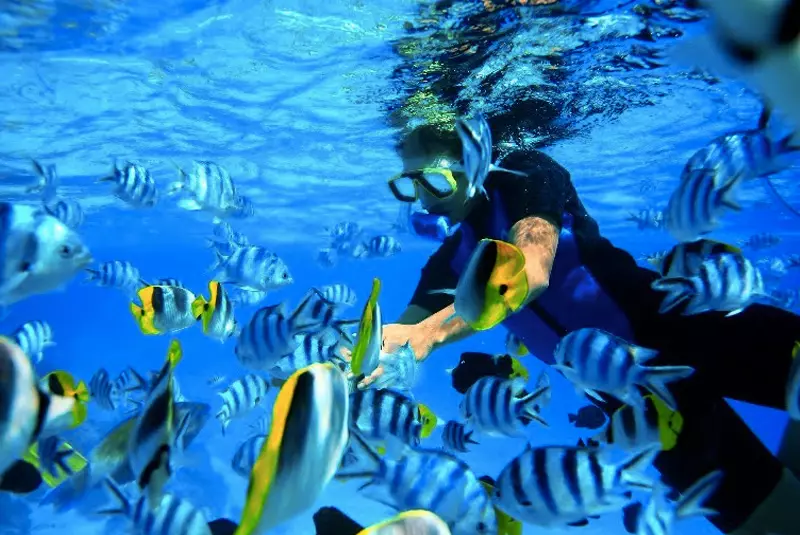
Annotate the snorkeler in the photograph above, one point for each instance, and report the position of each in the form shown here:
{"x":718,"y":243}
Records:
{"x":575,"y":279}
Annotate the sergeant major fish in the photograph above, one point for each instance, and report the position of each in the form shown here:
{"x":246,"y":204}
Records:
{"x":378,"y":247}
{"x":208,"y":187}
{"x":47,"y":181}
{"x":455,"y":436}
{"x":491,"y":406}
{"x":116,"y":274}
{"x":633,"y":428}
{"x":381,"y":414}
{"x":252,"y":268}
{"x":33,"y":338}
{"x":68,"y":211}
{"x":339,"y":294}
{"x":312,"y":348}
{"x":38,"y":253}
{"x":164,"y":309}
{"x":133,"y":185}
{"x":247,"y":454}
{"x":685,"y":259}
{"x":241,"y":396}
{"x":595,"y":360}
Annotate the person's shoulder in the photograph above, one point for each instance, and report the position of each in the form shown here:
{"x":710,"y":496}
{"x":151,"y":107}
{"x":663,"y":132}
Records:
{"x":534,"y":163}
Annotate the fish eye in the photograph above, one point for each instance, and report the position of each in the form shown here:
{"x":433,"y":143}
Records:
{"x":258,"y":399}
{"x":285,"y":275}
{"x":25,"y":266}
{"x":503,"y":289}
{"x":481,"y":527}
{"x":65,"y":251}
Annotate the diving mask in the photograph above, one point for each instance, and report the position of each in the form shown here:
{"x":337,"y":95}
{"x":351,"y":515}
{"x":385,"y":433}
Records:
{"x":431,"y":226}
{"x":437,"y":181}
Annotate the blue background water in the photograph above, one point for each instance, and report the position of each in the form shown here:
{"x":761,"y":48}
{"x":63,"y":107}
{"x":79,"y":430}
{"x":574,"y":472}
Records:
{"x":288,"y":96}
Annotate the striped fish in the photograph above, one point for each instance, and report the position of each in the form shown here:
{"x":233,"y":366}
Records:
{"x":116,"y":274}
{"x":241,"y":396}
{"x":431,"y":480}
{"x":597,"y":361}
{"x":323,"y":313}
{"x":47,"y":181}
{"x":455,"y":437}
{"x":685,"y":259}
{"x":133,"y":185}
{"x":247,"y":454}
{"x":661,"y":514}
{"x":697,"y":204}
{"x":633,"y":428}
{"x":208,"y":187}
{"x":103,"y":391}
{"x":339,"y":294}
{"x":381,"y":414}
{"x":726,"y":282}
{"x":327,"y":257}
{"x":175,"y":283}
{"x":491,"y":406}
{"x":270,"y":335}
{"x":378,"y":247}
{"x":170,"y":516}
{"x":241,"y":297}
{"x":312,"y":348}
{"x":252,"y":268}
{"x":216,"y":314}
{"x":68,"y":211}
{"x":557,"y":486}
{"x":33,"y":338}
{"x":163,"y":309}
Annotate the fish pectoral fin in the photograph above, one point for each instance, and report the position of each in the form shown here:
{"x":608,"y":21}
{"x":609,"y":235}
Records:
{"x":189,"y":204}
{"x":445,"y":291}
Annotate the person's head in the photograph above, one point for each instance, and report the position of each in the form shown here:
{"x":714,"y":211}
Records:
{"x":434,"y":156}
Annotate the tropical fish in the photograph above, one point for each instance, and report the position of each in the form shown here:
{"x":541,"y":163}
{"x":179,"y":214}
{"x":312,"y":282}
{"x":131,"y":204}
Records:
{"x":455,"y":437}
{"x":33,"y":338}
{"x":133,"y":185}
{"x":241,"y":396}
{"x":164,"y":309}
{"x":492,"y":407}
{"x":216,"y":313}
{"x":365,"y":357}
{"x":381,"y":414}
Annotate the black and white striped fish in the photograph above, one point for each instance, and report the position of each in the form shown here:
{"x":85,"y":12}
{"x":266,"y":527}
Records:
{"x":33,"y":338}
{"x":133,"y":185}
{"x":116,"y":274}
{"x":726,"y":282}
{"x":598,"y":361}
{"x":270,"y":335}
{"x":242,"y":297}
{"x":323,"y":313}
{"x":557,"y":486}
{"x":169,"y":516}
{"x":455,"y":436}
{"x":208,"y":187}
{"x":241,"y":396}
{"x":247,"y":454}
{"x":252,"y":268}
{"x":378,"y":247}
{"x":685,"y":259}
{"x":339,"y":294}
{"x":381,"y":414}
{"x":697,"y":204}
{"x":47,"y":181}
{"x":491,"y":406}
{"x":633,"y":428}
{"x":318,"y":347}
{"x":103,"y":391}
{"x":175,"y":283}
{"x":68,"y":211}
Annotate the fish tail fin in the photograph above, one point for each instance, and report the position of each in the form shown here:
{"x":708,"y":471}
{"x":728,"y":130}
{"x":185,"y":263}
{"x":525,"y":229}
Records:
{"x":92,"y":275}
{"x":726,"y":194}
{"x":529,"y":402}
{"x":219,"y":260}
{"x":631,"y":471}
{"x":691,"y":502}
{"x":657,"y":377}
{"x":468,"y":438}
{"x":572,"y":418}
{"x":364,"y":452}
{"x":199,"y":306}
{"x":82,"y":392}
{"x":678,"y":290}
{"x":70,"y":491}
{"x":224,"y":421}
{"x":124,"y":505}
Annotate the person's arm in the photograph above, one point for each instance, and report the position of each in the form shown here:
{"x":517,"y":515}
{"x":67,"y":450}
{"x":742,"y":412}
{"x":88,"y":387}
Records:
{"x":537,"y":238}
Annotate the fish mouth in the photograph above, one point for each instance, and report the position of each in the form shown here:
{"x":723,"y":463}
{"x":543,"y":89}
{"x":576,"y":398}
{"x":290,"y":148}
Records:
{"x":84,"y":260}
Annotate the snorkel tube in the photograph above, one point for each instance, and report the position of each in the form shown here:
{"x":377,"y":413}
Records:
{"x":431,"y":226}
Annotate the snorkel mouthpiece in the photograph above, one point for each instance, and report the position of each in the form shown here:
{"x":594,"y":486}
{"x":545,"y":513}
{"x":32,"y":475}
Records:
{"x":431,"y":226}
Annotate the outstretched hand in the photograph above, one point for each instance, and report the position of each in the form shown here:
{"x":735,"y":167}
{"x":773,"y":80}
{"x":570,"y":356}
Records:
{"x":395,"y":336}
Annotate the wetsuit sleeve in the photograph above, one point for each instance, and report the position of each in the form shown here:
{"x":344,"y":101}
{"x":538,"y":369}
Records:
{"x":542,"y":193}
{"x":437,"y":275}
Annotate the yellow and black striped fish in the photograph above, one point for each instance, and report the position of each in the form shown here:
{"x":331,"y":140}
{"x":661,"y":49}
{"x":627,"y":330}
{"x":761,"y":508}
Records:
{"x":164,"y":309}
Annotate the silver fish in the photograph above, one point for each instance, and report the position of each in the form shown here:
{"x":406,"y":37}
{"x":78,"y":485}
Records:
{"x":133,"y":185}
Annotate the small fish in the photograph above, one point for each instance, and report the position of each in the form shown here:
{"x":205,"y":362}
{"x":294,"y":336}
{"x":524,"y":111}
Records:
{"x":428,"y":479}
{"x":224,"y":234}
{"x":365,"y":356}
{"x":270,"y":335}
{"x":697,"y":204}
{"x":685,"y":259}
{"x":455,"y":437}
{"x":169,"y":516}
{"x":216,"y":313}
{"x":476,"y":141}
{"x":116,"y":274}
{"x":309,"y":436}
{"x":252,"y":268}
{"x":726,"y":282}
{"x":103,"y":391}
{"x":761,"y":241}
{"x":33,"y":338}
{"x":378,"y":247}
{"x":660,"y":514}
{"x":588,"y":417}
{"x":344,"y":231}
{"x":29,"y":413}
{"x":492,"y":286}
{"x":47,"y":181}
{"x":532,"y":487}
{"x":68,"y":211}
{"x":133,"y":185}
{"x":647,"y":219}
{"x":151,"y":440}
{"x":51,"y":458}
{"x":327,"y":258}
{"x":208,"y":187}
{"x":261,"y":425}
{"x":241,"y":396}
{"x":163,"y":309}
{"x":399,"y":369}
{"x":312,"y":348}
{"x":324,"y":313}
{"x":241,"y":297}
{"x":62,"y":383}
{"x":514,"y":346}
{"x":381,"y":414}
{"x":175,"y":283}
{"x":40,"y":253}
{"x":339,"y":294}
{"x":595,"y":360}
{"x":247,"y":454}
{"x":474,"y":365}
{"x":418,"y":521}
{"x":56,"y":460}
{"x":216,"y":380}
{"x":636,"y":427}
{"x":491,"y":406}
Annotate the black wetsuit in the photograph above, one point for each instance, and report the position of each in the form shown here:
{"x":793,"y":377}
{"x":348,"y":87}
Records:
{"x":744,"y":357}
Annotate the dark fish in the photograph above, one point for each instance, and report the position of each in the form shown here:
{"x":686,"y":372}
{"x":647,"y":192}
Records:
{"x":588,"y":417}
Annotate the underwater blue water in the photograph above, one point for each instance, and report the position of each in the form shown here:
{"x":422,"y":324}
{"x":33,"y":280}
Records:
{"x":287,"y":95}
